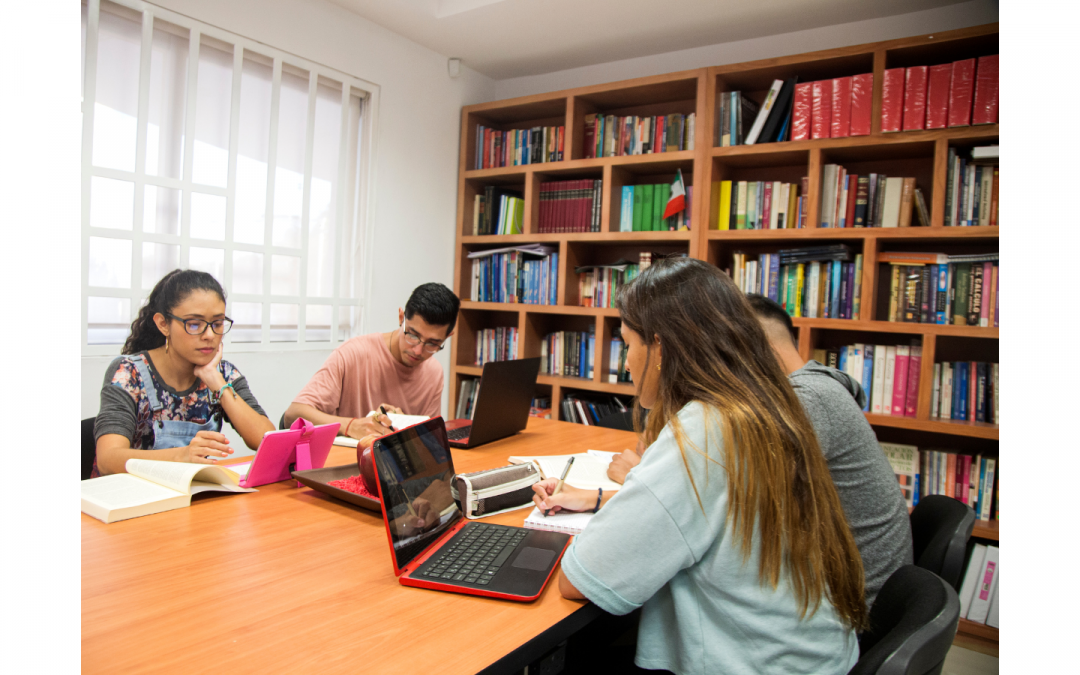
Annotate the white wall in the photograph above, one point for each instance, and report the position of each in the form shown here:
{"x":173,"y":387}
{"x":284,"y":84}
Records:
{"x":415,"y":174}
{"x":973,"y":13}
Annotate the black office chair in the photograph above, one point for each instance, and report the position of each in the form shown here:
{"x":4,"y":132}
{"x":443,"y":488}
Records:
{"x":623,"y":421}
{"x":940,"y":528}
{"x":89,"y":447}
{"x":912,"y":625}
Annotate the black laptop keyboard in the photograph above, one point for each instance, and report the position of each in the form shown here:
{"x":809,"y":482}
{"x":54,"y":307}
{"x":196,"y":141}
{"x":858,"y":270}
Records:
{"x":461,"y":433}
{"x":474,"y":555}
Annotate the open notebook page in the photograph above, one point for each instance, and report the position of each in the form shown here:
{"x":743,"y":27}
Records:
{"x":587,"y":472}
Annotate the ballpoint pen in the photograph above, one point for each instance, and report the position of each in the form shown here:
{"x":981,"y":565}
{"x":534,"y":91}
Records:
{"x":383,"y":411}
{"x":558,"y":487}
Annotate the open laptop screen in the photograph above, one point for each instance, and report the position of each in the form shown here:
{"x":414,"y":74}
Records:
{"x":415,"y":471}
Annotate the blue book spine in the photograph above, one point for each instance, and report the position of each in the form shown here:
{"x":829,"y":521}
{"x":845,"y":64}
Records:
{"x":979,"y":381}
{"x":592,"y":352}
{"x":964,"y":383}
{"x":982,"y":479}
{"x":553,"y":298}
{"x":834,"y":301}
{"x":774,"y":277}
{"x":626,"y":214}
{"x":479,"y":146}
{"x":942,"y":316}
{"x":845,"y":291}
{"x":955,"y":409}
{"x":849,"y":307}
{"x":842,"y":366}
{"x":868,"y":374}
{"x":915,"y":489}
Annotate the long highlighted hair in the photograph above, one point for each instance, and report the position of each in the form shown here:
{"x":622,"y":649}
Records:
{"x":715,"y":352}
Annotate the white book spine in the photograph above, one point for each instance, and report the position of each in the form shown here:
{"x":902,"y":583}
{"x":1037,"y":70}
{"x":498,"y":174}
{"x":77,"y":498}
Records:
{"x":891,"y":211}
{"x":985,"y":583}
{"x":992,"y":616}
{"x":946,"y":391}
{"x":890,"y":374}
{"x":763,"y":113}
{"x":774,"y":211}
{"x":828,"y":181}
{"x":967,"y":588}
{"x":879,"y":380}
{"x":935,"y":391}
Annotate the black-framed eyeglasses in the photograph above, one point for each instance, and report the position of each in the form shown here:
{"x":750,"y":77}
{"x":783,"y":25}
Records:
{"x":414,"y":339}
{"x":198,"y":326}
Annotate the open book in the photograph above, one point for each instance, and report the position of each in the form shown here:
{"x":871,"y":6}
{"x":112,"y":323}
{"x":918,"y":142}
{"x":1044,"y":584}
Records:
{"x":588,"y":472}
{"x":400,"y":421}
{"x":152,"y":486}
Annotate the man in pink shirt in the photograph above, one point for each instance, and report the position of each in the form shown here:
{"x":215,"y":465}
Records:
{"x":393,"y":370}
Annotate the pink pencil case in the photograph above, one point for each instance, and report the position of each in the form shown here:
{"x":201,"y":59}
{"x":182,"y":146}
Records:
{"x":301,"y":447}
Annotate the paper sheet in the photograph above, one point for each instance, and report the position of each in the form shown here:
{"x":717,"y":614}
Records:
{"x":588,"y":472}
{"x":602,"y":456}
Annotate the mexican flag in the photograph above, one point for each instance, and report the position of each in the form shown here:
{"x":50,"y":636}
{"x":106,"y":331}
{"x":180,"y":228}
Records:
{"x":677,"y":201}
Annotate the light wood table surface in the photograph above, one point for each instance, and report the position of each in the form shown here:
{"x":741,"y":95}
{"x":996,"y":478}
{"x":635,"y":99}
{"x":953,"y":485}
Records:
{"x":288,"y":579}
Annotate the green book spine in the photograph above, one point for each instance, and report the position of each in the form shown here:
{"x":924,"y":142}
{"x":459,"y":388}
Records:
{"x":660,"y":200}
{"x":960,"y":301}
{"x":647,"y":207}
{"x":639,"y":197}
{"x":792,"y":295}
{"x":751,"y":205}
{"x":740,"y":208}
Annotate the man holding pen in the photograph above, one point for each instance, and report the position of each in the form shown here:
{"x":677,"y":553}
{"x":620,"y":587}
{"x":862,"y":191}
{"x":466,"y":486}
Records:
{"x":393,"y":370}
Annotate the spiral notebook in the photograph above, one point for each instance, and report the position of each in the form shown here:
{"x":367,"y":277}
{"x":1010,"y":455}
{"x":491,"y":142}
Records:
{"x":570,"y":523}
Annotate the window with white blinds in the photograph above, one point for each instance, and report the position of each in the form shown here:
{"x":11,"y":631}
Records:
{"x":204,"y":150}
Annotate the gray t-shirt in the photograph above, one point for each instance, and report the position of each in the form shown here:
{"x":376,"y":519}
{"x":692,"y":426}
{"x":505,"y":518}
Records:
{"x":704,"y":609}
{"x":869,"y":493}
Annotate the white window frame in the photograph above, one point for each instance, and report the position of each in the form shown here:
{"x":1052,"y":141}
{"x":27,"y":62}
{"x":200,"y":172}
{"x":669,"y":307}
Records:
{"x":360,"y":190}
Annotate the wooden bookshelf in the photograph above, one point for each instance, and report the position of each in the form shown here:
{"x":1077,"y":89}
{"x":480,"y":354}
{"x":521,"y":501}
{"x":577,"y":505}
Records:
{"x":922,"y":154}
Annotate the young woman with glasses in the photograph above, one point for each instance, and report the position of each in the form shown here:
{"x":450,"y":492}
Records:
{"x":166,"y":398}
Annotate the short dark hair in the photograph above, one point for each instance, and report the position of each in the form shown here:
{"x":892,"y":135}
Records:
{"x":767,"y":308}
{"x":436,"y":304}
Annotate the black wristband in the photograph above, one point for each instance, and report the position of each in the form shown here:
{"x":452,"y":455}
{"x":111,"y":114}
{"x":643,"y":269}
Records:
{"x":599,"y":496}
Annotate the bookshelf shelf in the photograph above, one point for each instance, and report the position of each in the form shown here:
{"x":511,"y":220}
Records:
{"x":919,"y":154}
{"x":978,"y":630}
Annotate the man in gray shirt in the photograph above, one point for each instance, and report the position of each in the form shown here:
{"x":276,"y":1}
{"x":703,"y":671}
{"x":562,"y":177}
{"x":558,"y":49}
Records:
{"x":869,"y":493}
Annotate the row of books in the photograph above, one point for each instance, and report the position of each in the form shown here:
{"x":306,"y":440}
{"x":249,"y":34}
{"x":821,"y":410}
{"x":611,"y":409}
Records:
{"x":835,"y":108}
{"x":589,"y":409}
{"x":614,"y":136}
{"x":498,"y":211}
{"x":820,"y":282}
{"x":617,"y":360}
{"x":889,"y":374}
{"x":517,"y":147}
{"x":971,"y":190}
{"x":971,"y":479}
{"x":568,"y":353}
{"x":965,"y":390}
{"x":496,"y":344}
{"x":570,"y":206}
{"x":961,"y":290}
{"x":760,"y":205}
{"x":979,"y":589}
{"x":871,"y":200}
{"x":955,"y":94}
{"x":642,"y":209}
{"x":526,"y":274}
{"x":599,"y":284}
{"x":735,"y":114}
{"x":467,"y":397}
{"x":540,"y":407}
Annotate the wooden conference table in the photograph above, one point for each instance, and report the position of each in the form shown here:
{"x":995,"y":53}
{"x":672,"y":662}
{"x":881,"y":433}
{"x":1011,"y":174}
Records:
{"x":288,"y":579}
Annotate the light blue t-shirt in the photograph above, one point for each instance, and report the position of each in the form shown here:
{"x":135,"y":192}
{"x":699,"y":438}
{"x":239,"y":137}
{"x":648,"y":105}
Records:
{"x":703,"y":609}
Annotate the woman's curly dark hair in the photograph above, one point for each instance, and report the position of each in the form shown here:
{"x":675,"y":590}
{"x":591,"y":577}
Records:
{"x":167,"y":294}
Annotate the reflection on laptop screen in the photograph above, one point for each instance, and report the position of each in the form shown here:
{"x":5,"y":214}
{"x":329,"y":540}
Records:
{"x":415,"y":471}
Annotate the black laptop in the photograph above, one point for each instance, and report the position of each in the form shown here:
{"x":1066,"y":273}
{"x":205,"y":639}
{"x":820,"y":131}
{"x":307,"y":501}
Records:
{"x":433,"y":545}
{"x":502,"y":404}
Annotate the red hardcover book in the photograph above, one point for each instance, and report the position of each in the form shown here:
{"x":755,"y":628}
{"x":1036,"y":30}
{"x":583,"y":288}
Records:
{"x":915,"y":98}
{"x":914,"y":371}
{"x":821,"y":109}
{"x":994,"y":200}
{"x":961,"y":92}
{"x":840,"y":126}
{"x":862,"y":93}
{"x":766,"y":202}
{"x":801,"y":111}
{"x":892,"y":100}
{"x":963,"y":475}
{"x":583,"y":202}
{"x":937,"y":96}
{"x":562,"y":129}
{"x":973,"y":389}
{"x":853,"y":190}
{"x":487,"y":148}
{"x":985,"y":110}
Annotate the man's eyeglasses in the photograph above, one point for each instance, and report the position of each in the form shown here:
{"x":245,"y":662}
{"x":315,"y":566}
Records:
{"x":198,"y":326}
{"x":414,"y":339}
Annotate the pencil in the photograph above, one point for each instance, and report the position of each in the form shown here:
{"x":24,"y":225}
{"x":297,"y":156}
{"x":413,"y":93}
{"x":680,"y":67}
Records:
{"x":558,"y":488}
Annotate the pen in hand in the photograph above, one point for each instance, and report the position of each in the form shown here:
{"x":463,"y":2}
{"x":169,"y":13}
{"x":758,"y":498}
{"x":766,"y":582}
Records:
{"x":558,"y":487}
{"x":383,"y":411}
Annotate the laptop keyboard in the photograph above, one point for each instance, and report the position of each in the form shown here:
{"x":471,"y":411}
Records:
{"x":474,"y":555}
{"x":459,"y":434}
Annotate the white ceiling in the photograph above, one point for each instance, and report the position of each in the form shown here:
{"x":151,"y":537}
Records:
{"x":512,"y":38}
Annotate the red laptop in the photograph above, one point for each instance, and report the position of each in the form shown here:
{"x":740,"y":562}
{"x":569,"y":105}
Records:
{"x":433,"y":545}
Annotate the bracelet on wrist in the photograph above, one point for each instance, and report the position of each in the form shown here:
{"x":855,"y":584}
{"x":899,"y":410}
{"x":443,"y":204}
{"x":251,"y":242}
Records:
{"x":221,"y":392}
{"x":599,"y":496}
{"x":351,"y":420}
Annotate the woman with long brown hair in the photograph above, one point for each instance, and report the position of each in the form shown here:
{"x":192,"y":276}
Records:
{"x":729,"y":534}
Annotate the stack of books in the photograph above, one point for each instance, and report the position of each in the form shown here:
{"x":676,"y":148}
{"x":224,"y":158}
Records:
{"x":871,"y":200}
{"x":614,"y":136}
{"x":835,"y":108}
{"x":955,"y":94}
{"x":642,"y":208}
{"x":599,"y":284}
{"x":498,"y":211}
{"x":960,"y":290}
{"x":617,"y":359}
{"x":965,"y":390}
{"x":568,"y":353}
{"x":760,"y":205}
{"x":970,"y":479}
{"x":979,"y":590}
{"x":588,"y":409}
{"x":971,"y":190}
{"x":889,"y":374}
{"x":496,"y":344}
{"x":819,"y":282}
{"x":540,"y":407}
{"x":570,"y":206}
{"x":526,"y":274}
{"x":517,"y":147}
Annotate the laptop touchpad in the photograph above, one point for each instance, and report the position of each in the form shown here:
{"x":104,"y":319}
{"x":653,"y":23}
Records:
{"x":532,"y":558}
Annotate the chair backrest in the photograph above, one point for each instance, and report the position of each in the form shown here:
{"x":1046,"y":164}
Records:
{"x":940,"y":528}
{"x":620,"y":420}
{"x":912,"y":625}
{"x":89,"y":447}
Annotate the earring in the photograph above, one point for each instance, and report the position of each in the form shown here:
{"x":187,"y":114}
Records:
{"x":658,"y":365}
{"x":166,"y":345}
